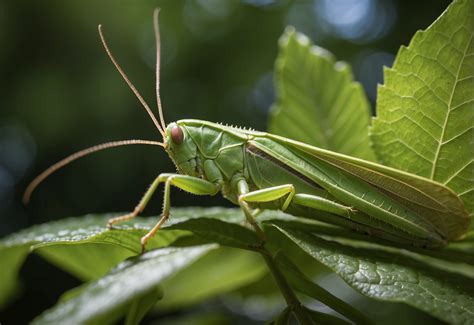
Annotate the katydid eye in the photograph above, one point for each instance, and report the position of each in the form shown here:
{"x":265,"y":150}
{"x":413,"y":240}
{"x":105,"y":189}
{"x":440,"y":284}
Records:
{"x":177,"y":135}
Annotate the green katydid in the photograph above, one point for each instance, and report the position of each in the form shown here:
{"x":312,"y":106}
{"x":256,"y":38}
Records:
{"x":258,"y":170}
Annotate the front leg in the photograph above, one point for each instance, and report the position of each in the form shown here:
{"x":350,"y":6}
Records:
{"x":189,"y":184}
{"x":141,"y":205}
{"x":193,"y":185}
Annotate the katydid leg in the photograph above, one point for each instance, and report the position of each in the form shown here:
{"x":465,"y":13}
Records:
{"x":189,"y":184}
{"x":243,"y":189}
{"x":140,"y":206}
{"x":288,"y":190}
{"x":354,"y":218}
{"x":322,"y":204}
{"x":271,"y":194}
{"x":307,"y":200}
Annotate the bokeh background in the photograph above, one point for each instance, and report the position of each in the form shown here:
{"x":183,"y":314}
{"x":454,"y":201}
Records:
{"x":59,"y":93}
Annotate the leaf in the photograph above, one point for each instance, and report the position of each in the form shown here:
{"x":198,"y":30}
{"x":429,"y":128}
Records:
{"x":81,"y":246}
{"x":105,"y":299}
{"x":318,"y":102}
{"x":86,"y":261}
{"x":11,"y":259}
{"x":219,"y":271}
{"x":200,"y":317}
{"x":221,"y":232}
{"x":14,"y":248}
{"x":140,"y":306}
{"x":322,"y":318}
{"x":449,"y":259}
{"x":281,"y":319}
{"x":392,"y":277}
{"x":84,"y":247}
{"x":76,"y":244}
{"x":304,"y":285}
{"x":314,"y":317}
{"x":425,"y":109}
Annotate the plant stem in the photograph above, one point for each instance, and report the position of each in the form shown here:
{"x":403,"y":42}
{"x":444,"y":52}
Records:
{"x":290,"y":297}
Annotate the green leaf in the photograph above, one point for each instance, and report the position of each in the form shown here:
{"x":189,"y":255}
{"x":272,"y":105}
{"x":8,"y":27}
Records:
{"x":425,"y":109}
{"x":281,"y":319}
{"x":14,"y":249}
{"x":86,"y":261}
{"x":84,"y":247}
{"x":315,"y":317}
{"x":219,"y":271}
{"x":322,"y":318}
{"x":81,"y":246}
{"x":104,"y":300}
{"x":221,"y":232}
{"x":200,"y":317}
{"x":304,"y":285}
{"x":11,"y":259}
{"x":392,"y":277}
{"x":318,"y":102}
{"x":140,"y":306}
{"x":452,"y":258}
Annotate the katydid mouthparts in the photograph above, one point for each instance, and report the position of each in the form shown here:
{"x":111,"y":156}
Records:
{"x":258,"y":170}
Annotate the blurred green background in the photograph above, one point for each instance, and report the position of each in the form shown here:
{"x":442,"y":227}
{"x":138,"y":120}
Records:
{"x":59,"y":93}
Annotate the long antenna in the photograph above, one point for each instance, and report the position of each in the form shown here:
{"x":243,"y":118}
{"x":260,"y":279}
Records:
{"x":129,"y":83}
{"x":157,"y":69}
{"x":41,"y":177}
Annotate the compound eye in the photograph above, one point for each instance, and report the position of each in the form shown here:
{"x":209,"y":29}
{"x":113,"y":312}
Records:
{"x":177,"y":135}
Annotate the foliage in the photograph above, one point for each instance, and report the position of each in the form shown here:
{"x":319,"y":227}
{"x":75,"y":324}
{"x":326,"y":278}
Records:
{"x":332,"y":117}
{"x":424,"y":115}
{"x":425,"y":109}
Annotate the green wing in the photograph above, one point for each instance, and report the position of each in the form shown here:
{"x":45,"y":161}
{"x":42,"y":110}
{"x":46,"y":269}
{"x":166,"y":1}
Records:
{"x":435,"y":203}
{"x":432,"y":201}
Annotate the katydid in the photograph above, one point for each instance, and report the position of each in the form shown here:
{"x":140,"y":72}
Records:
{"x":258,"y":170}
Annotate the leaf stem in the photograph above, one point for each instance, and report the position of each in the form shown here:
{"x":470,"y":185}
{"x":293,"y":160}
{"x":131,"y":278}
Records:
{"x":290,"y":297}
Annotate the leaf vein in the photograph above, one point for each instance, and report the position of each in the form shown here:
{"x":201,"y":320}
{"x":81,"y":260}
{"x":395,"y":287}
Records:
{"x":438,"y":148}
{"x":457,"y":136}
{"x":457,"y":172}
{"x":462,"y":104}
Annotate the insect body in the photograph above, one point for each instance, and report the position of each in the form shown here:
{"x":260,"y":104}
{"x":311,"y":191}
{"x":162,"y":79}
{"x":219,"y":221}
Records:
{"x":258,"y":170}
{"x":261,"y":170}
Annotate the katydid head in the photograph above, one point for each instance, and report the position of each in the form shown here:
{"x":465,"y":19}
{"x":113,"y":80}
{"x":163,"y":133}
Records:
{"x":182,"y":149}
{"x":167,"y":134}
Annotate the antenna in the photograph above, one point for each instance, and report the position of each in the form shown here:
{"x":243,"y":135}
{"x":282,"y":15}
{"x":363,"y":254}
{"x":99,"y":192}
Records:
{"x":157,"y":69}
{"x":41,"y":177}
{"x":129,"y":83}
